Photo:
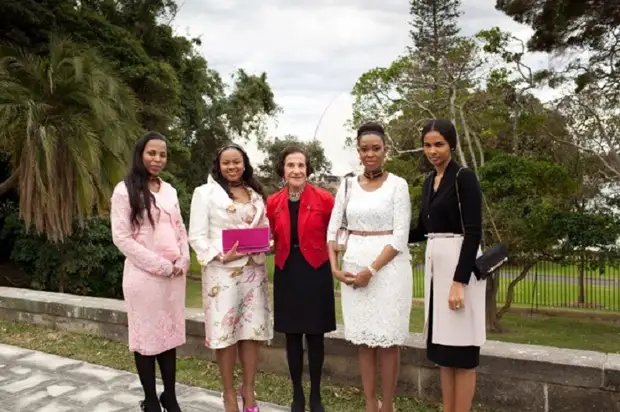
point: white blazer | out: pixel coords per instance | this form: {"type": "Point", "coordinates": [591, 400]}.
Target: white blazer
{"type": "Point", "coordinates": [212, 211]}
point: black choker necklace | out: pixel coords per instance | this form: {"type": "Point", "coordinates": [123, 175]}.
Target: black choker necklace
{"type": "Point", "coordinates": [374, 174]}
{"type": "Point", "coordinates": [238, 183]}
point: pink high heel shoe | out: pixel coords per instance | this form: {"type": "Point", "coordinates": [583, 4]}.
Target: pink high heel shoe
{"type": "Point", "coordinates": [249, 408]}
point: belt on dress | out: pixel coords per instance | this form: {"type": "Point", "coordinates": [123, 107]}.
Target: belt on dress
{"type": "Point", "coordinates": [442, 235]}
{"type": "Point", "coordinates": [371, 233]}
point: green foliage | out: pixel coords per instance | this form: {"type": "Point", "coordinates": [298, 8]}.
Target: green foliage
{"type": "Point", "coordinates": [572, 26]}
{"type": "Point", "coordinates": [68, 123]}
{"type": "Point", "coordinates": [434, 25]}
{"type": "Point", "coordinates": [527, 196]}
{"type": "Point", "coordinates": [116, 51]}
{"type": "Point", "coordinates": [559, 24]}
{"type": "Point", "coordinates": [86, 263]}
{"type": "Point", "coordinates": [595, 229]}
{"type": "Point", "coordinates": [273, 149]}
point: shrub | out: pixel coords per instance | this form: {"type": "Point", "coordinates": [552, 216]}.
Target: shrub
{"type": "Point", "coordinates": [86, 263]}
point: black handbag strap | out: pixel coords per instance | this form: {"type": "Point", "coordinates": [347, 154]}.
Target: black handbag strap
{"type": "Point", "coordinates": [458, 197]}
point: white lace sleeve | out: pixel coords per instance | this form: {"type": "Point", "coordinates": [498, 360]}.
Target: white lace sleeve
{"type": "Point", "coordinates": [402, 216]}
{"type": "Point", "coordinates": [335, 221]}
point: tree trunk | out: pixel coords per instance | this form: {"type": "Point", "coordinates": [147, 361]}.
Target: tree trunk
{"type": "Point", "coordinates": [452, 108]}
{"type": "Point", "coordinates": [9, 183]}
{"type": "Point", "coordinates": [491, 305]}
{"type": "Point", "coordinates": [582, 269]}
{"type": "Point", "coordinates": [510, 293]}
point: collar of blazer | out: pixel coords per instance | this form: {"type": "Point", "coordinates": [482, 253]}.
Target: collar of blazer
{"type": "Point", "coordinates": [221, 200]}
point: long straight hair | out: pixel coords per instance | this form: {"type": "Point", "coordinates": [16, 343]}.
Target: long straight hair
{"type": "Point", "coordinates": [136, 181]}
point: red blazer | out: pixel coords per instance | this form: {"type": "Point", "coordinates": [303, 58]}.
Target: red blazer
{"type": "Point", "coordinates": [315, 209]}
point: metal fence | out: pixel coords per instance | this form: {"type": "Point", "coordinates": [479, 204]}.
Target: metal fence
{"type": "Point", "coordinates": [591, 283]}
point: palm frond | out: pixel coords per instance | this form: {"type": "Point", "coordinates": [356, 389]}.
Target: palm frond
{"type": "Point", "coordinates": [69, 123]}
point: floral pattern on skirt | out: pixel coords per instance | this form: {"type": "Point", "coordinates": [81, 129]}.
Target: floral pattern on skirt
{"type": "Point", "coordinates": [236, 305]}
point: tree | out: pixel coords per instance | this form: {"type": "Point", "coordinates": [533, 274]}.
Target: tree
{"type": "Point", "coordinates": [67, 122]}
{"type": "Point", "coordinates": [587, 232]}
{"type": "Point", "coordinates": [434, 78]}
{"type": "Point", "coordinates": [594, 125]}
{"type": "Point", "coordinates": [527, 196]}
{"type": "Point", "coordinates": [176, 93]}
{"type": "Point", "coordinates": [589, 120]}
{"type": "Point", "coordinates": [434, 31]}
{"type": "Point", "coordinates": [559, 24]}
{"type": "Point", "coordinates": [575, 26]}
{"type": "Point", "coordinates": [234, 116]}
{"type": "Point", "coordinates": [275, 146]}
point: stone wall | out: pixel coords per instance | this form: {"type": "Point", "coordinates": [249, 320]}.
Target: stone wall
{"type": "Point", "coordinates": [512, 377]}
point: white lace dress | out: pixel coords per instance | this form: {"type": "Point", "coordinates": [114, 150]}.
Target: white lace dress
{"type": "Point", "coordinates": [377, 315]}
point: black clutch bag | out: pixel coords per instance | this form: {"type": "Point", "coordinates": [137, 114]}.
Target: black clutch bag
{"type": "Point", "coordinates": [492, 258]}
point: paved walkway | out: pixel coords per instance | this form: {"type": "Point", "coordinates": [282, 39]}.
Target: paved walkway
{"type": "Point", "coordinates": [32, 381]}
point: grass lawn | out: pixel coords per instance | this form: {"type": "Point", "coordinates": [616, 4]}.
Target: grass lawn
{"type": "Point", "coordinates": [191, 371]}
{"type": "Point", "coordinates": [527, 292]}
{"type": "Point", "coordinates": [574, 333]}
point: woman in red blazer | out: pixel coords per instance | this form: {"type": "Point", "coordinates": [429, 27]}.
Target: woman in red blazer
{"type": "Point", "coordinates": [303, 286]}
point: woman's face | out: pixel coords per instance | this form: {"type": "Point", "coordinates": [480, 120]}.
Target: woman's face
{"type": "Point", "coordinates": [155, 156]}
{"type": "Point", "coordinates": [371, 150]}
{"type": "Point", "coordinates": [231, 165]}
{"type": "Point", "coordinates": [436, 149]}
{"type": "Point", "coordinates": [295, 173]}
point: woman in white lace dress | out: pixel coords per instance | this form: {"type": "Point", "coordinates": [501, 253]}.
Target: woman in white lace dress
{"type": "Point", "coordinates": [376, 270]}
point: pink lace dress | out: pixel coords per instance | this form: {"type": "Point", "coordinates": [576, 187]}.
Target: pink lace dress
{"type": "Point", "coordinates": [155, 299]}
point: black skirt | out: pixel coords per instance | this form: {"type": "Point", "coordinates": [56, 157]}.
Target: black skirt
{"type": "Point", "coordinates": [459, 357]}
{"type": "Point", "coordinates": [303, 297]}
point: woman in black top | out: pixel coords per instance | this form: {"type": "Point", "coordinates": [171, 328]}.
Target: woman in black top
{"type": "Point", "coordinates": [451, 219]}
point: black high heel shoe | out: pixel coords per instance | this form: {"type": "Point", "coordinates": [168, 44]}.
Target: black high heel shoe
{"type": "Point", "coordinates": [299, 400]}
{"type": "Point", "coordinates": [151, 407]}
{"type": "Point", "coordinates": [298, 406]}
{"type": "Point", "coordinates": [169, 403]}
{"type": "Point", "coordinates": [316, 405]}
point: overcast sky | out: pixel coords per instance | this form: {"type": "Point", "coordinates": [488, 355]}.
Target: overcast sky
{"type": "Point", "coordinates": [314, 51]}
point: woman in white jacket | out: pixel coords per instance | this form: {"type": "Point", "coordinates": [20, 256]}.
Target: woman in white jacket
{"type": "Point", "coordinates": [234, 285]}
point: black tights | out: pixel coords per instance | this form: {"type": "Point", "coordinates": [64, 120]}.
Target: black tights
{"type": "Point", "coordinates": [295, 356]}
{"type": "Point", "coordinates": [146, 371]}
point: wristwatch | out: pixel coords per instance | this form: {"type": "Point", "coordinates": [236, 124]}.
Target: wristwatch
{"type": "Point", "coordinates": [372, 270]}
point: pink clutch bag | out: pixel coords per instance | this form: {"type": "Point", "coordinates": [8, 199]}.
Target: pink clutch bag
{"type": "Point", "coordinates": [251, 240]}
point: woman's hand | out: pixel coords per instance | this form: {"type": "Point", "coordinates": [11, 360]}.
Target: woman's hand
{"type": "Point", "coordinates": [232, 254]}
{"type": "Point", "coordinates": [344, 277]}
{"type": "Point", "coordinates": [456, 299]}
{"type": "Point", "coordinates": [176, 271]}
{"type": "Point", "coordinates": [362, 279]}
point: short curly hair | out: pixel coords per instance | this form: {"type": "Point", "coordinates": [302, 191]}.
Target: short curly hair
{"type": "Point", "coordinates": [289, 151]}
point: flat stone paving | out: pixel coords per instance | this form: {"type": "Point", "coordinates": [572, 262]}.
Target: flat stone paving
{"type": "Point", "coordinates": [32, 381]}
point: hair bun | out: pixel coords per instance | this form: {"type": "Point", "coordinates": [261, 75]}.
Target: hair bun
{"type": "Point", "coordinates": [371, 127]}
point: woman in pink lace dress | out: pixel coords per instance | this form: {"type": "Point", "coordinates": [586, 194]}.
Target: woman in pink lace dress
{"type": "Point", "coordinates": [148, 229]}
